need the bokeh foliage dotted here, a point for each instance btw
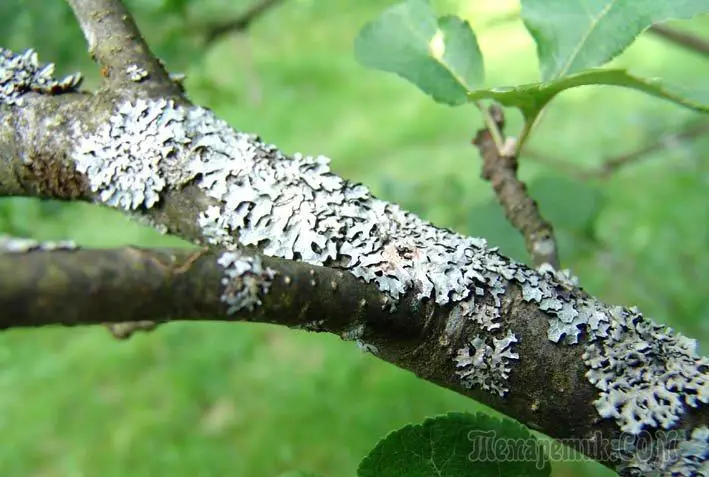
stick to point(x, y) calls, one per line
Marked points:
point(244, 399)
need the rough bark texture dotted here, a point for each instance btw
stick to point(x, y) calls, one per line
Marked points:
point(288, 242)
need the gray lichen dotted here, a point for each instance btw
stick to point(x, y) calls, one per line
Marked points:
point(647, 376)
point(488, 367)
point(136, 73)
point(245, 281)
point(131, 158)
point(9, 244)
point(22, 73)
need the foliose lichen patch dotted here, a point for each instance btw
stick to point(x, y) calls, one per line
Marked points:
point(130, 159)
point(647, 376)
point(9, 244)
point(245, 281)
point(485, 366)
point(21, 73)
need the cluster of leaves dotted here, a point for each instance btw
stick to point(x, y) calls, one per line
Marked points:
point(441, 55)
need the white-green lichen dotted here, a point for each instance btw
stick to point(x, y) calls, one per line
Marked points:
point(130, 159)
point(647, 376)
point(245, 281)
point(9, 244)
point(485, 366)
point(21, 73)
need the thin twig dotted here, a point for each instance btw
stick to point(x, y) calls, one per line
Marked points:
point(116, 44)
point(688, 40)
point(129, 289)
point(573, 170)
point(240, 23)
point(500, 168)
point(611, 165)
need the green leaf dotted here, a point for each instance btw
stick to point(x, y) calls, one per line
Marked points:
point(455, 445)
point(440, 56)
point(573, 35)
point(531, 98)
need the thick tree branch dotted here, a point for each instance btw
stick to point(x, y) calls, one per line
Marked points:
point(444, 306)
point(500, 168)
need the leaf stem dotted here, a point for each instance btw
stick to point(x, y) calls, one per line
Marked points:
point(492, 126)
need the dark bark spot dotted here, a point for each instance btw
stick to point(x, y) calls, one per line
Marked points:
point(52, 175)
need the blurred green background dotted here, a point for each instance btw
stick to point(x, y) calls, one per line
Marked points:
point(253, 400)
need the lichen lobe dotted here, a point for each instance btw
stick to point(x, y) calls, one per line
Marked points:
point(245, 281)
point(21, 73)
point(488, 367)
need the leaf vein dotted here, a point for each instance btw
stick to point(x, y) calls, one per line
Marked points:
point(594, 23)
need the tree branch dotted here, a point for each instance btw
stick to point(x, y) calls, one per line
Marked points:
point(613, 164)
point(127, 64)
point(92, 286)
point(500, 168)
point(446, 307)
